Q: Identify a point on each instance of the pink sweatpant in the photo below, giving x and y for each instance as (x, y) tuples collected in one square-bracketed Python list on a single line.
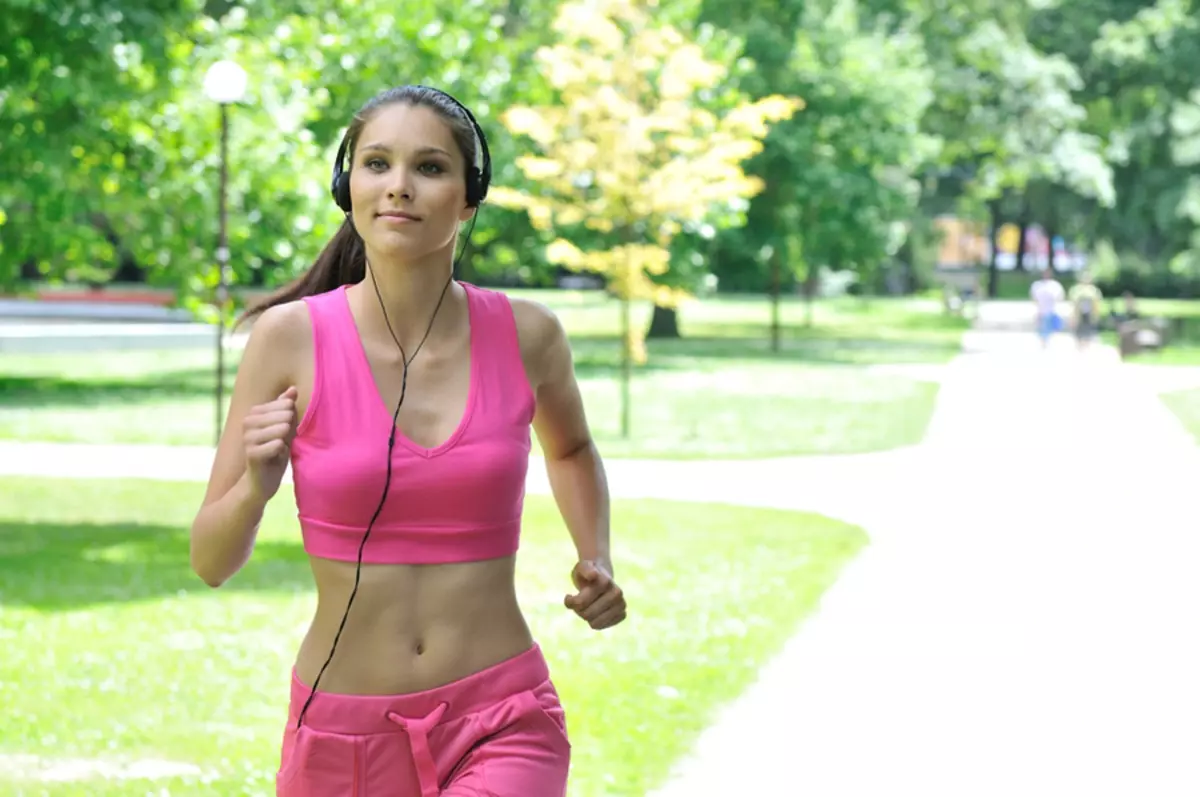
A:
[(498, 733)]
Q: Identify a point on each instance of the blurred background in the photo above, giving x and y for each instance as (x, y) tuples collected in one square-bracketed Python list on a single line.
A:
[(886, 314)]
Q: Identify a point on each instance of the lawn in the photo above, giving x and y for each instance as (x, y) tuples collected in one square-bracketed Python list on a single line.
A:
[(1186, 406), (719, 391), (113, 650)]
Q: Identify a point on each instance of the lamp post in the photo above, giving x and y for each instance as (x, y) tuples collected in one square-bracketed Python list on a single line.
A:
[(224, 83)]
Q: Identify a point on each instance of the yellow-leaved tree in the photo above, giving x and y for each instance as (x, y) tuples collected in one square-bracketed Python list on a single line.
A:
[(632, 154)]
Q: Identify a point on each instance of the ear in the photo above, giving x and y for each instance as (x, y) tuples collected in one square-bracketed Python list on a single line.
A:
[(467, 213)]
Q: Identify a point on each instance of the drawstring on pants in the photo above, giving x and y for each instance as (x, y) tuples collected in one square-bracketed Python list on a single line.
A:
[(418, 729)]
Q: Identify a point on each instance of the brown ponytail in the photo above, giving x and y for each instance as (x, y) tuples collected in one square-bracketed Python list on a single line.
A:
[(341, 262)]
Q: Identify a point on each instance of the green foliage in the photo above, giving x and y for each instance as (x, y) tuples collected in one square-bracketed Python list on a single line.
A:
[(841, 177), (136, 173), (69, 74), (1082, 115)]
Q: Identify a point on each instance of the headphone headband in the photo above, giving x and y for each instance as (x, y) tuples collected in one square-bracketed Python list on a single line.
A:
[(479, 173)]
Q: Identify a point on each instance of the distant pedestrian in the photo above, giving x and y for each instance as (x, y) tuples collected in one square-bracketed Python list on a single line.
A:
[(1046, 294), (1086, 300)]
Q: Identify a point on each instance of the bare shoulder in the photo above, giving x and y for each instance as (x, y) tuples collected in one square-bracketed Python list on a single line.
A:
[(284, 323), (280, 343), (541, 336), (535, 321)]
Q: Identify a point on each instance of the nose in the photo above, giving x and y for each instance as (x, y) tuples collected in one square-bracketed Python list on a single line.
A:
[(401, 186)]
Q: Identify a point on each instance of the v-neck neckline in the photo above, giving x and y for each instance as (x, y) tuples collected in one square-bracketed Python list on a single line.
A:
[(472, 381)]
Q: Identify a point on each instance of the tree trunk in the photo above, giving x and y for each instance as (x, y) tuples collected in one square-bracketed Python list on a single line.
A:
[(775, 280), (993, 283), (626, 366), (906, 271), (512, 19), (664, 323), (1023, 230), (811, 279), (1050, 235)]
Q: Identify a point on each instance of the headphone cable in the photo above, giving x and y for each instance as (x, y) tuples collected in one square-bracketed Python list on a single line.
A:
[(405, 362)]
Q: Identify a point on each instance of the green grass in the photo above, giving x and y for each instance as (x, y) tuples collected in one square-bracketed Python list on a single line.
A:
[(1185, 353), (718, 391), (1184, 350), (114, 650), (1171, 308), (1186, 406)]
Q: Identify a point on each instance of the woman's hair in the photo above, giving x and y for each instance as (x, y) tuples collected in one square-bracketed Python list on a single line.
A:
[(343, 260)]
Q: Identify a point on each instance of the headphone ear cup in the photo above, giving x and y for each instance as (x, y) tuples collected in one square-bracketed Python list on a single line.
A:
[(341, 192), (475, 188)]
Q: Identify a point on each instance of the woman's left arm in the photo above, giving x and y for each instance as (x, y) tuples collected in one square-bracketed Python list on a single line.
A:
[(573, 465)]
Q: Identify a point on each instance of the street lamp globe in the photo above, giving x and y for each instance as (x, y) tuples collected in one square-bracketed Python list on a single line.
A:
[(225, 82)]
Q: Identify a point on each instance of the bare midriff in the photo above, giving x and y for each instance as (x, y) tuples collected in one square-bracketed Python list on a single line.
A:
[(411, 627)]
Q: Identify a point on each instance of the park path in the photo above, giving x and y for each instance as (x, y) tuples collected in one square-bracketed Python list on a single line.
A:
[(827, 484), (830, 485), (1024, 621)]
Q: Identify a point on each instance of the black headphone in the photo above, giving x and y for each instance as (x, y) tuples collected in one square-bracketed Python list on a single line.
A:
[(479, 174)]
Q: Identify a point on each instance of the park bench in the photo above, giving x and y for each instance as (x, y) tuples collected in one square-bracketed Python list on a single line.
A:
[(1141, 334)]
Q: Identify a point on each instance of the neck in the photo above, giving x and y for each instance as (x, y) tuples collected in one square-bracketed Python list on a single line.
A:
[(410, 295)]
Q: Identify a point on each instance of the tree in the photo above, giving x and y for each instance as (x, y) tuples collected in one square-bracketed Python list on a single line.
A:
[(67, 69), (1142, 94), (862, 146), (842, 188), (633, 153), (126, 144), (1014, 134)]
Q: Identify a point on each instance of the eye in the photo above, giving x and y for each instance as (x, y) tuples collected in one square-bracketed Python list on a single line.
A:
[(432, 168), (375, 164)]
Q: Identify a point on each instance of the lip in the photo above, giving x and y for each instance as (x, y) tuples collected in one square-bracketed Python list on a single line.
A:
[(398, 215)]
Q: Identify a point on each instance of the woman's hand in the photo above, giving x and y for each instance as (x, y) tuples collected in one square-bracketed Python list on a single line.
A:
[(599, 600), (268, 430)]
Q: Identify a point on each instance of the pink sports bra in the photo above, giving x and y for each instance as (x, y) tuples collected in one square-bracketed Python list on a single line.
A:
[(458, 502)]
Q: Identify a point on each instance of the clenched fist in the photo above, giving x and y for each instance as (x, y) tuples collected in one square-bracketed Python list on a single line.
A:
[(267, 434), (599, 599)]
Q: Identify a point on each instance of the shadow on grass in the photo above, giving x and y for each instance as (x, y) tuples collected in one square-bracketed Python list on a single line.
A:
[(601, 356), (867, 325), (65, 391), (56, 567), (597, 356)]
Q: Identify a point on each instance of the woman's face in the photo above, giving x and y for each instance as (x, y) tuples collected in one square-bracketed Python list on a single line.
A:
[(408, 183)]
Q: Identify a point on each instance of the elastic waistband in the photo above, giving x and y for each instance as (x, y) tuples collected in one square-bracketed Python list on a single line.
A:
[(409, 544), (362, 714)]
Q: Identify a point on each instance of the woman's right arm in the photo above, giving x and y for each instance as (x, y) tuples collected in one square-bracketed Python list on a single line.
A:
[(253, 451)]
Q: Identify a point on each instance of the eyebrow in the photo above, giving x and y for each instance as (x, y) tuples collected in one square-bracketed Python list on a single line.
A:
[(384, 148)]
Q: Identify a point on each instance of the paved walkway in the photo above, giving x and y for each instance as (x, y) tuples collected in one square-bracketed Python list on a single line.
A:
[(1024, 622)]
